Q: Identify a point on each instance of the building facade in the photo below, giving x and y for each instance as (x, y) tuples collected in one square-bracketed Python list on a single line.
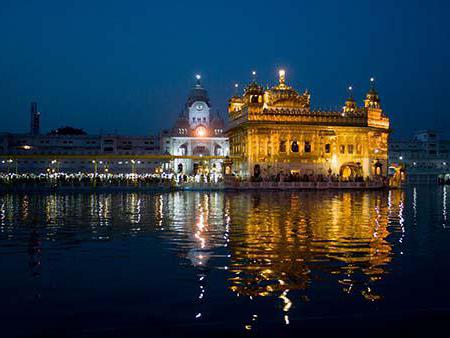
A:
[(425, 157), (275, 131), (197, 134)]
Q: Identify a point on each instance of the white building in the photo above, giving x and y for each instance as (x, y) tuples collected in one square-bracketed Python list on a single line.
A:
[(426, 157), (198, 133)]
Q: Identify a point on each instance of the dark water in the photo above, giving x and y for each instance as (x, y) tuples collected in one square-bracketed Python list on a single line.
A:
[(226, 264)]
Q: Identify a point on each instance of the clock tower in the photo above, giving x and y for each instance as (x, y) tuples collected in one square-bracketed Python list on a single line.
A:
[(198, 106)]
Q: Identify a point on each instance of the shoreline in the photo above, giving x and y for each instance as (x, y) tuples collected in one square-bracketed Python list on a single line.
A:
[(235, 186)]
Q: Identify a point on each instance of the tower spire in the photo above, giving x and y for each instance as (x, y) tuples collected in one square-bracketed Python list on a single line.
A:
[(282, 76), (350, 92), (198, 77), (372, 83)]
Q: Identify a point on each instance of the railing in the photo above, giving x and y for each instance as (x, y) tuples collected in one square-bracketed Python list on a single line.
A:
[(171, 185), (306, 185)]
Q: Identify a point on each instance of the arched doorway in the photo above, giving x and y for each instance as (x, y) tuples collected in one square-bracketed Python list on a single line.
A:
[(200, 150), (378, 168), (180, 168), (257, 171), (351, 170)]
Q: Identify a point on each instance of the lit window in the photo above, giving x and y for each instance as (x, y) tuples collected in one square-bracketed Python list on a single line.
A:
[(307, 147), (350, 148)]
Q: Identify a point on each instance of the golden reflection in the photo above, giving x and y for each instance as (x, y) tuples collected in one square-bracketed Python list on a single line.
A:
[(285, 241)]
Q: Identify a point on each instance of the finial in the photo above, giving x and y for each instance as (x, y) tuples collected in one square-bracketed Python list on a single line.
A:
[(350, 92), (282, 76), (236, 87), (372, 83), (254, 75), (198, 77)]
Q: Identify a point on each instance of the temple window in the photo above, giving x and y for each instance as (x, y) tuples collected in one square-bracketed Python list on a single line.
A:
[(327, 148), (342, 149), (350, 148), (282, 146), (358, 148), (294, 147), (307, 147)]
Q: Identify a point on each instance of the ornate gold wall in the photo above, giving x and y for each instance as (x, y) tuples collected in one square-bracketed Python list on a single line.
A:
[(277, 130)]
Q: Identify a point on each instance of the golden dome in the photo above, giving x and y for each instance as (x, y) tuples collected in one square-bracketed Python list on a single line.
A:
[(285, 96)]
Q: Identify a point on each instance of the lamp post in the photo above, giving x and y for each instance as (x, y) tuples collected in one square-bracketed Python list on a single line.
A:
[(8, 166), (95, 172), (133, 167)]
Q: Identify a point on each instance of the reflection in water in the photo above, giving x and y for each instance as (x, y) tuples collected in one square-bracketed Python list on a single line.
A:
[(274, 245), (306, 237)]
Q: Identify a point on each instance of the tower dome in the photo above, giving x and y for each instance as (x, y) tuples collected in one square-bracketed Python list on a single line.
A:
[(253, 93), (198, 93), (286, 96), (372, 99)]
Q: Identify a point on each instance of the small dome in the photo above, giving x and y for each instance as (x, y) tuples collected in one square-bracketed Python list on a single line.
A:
[(254, 89), (198, 93)]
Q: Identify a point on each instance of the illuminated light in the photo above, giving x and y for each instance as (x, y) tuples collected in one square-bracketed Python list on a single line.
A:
[(198, 315), (400, 158), (201, 131), (236, 85), (93, 161), (282, 76), (350, 88), (198, 76), (444, 163), (254, 73), (101, 162), (26, 147), (372, 79), (286, 319)]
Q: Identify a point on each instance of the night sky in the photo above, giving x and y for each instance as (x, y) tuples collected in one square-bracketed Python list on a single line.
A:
[(128, 65)]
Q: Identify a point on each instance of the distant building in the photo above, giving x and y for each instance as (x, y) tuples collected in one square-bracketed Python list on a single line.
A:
[(425, 157), (197, 133), (275, 130)]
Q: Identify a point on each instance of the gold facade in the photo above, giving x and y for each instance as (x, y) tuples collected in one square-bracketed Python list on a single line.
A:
[(276, 131)]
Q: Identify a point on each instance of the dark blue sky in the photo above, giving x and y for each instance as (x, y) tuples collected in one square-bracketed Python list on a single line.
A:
[(128, 65)]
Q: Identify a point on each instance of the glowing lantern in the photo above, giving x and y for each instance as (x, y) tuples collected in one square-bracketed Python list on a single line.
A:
[(200, 131)]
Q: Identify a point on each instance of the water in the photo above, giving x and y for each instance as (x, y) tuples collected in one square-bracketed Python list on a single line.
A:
[(225, 264)]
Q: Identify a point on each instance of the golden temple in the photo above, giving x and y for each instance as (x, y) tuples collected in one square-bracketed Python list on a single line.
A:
[(275, 131)]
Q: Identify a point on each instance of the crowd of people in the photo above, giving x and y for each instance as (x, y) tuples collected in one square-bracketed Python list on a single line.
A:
[(90, 179), (51, 180), (297, 177)]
